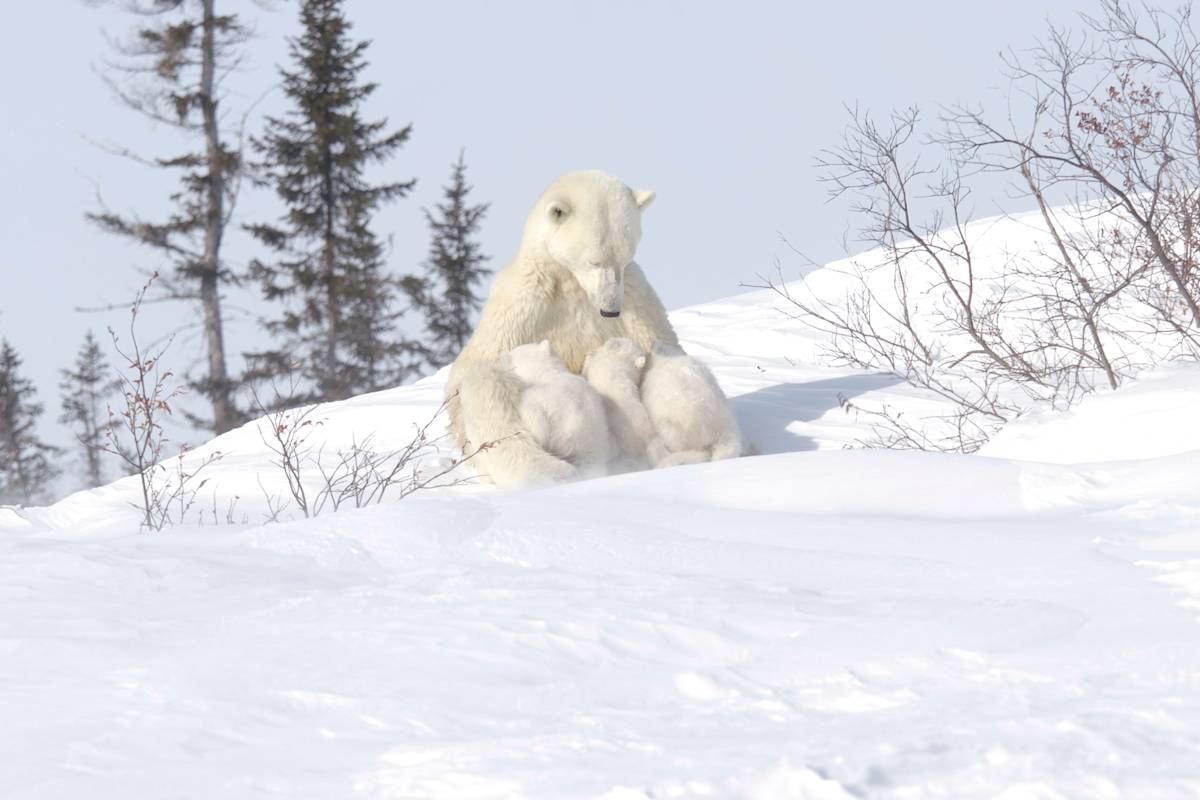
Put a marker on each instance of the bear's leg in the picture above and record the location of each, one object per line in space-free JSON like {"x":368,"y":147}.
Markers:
{"x":595,"y":449}
{"x":683,"y":457}
{"x":488,"y":399}
{"x":656,"y":451}
{"x":728,"y":446}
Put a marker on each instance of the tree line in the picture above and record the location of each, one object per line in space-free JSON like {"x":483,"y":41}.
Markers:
{"x":335,"y":305}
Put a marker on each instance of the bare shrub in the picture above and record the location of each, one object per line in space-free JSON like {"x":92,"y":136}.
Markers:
{"x":285,"y":433}
{"x":1103,"y":135}
{"x":1113,"y":121}
{"x":134,"y":432}
{"x":350,"y":477}
{"x":226,"y":514}
{"x":921,"y":305}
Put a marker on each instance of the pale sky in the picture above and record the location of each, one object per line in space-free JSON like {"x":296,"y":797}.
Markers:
{"x":718,"y":107}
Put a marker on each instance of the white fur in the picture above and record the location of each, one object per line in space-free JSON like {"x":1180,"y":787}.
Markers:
{"x":562,"y":413}
{"x":511,"y":455}
{"x":614,"y":370}
{"x":690,"y":414}
{"x":571,"y":266}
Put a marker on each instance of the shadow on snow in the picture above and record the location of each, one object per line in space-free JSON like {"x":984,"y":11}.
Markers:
{"x":766,"y":414}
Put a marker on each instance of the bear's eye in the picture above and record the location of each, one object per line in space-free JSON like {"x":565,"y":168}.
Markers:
{"x":557,"y":211}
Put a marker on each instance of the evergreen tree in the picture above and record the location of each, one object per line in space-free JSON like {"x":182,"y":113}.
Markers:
{"x":448,"y":292}
{"x":337,"y":332}
{"x":171,"y":72}
{"x":86,"y":390}
{"x":26,"y":468}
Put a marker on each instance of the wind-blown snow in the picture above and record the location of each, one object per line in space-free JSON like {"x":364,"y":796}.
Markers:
{"x":1133,"y":423}
{"x":812,"y":622}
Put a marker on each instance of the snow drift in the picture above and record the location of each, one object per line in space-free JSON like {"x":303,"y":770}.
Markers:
{"x":813,"y":622}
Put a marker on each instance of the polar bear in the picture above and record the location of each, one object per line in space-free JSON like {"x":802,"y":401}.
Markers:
{"x":558,"y":408}
{"x":573,"y":282}
{"x":687,"y":408}
{"x":614,"y":370}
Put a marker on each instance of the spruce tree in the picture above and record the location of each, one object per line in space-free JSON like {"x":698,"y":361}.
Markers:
{"x":26,"y":466}
{"x":448,"y":293}
{"x":171,"y":71}
{"x":337,"y":330}
{"x":86,"y":390}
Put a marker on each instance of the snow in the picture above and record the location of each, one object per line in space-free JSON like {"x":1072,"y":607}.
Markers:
{"x":1113,"y":425}
{"x":811,"y":622}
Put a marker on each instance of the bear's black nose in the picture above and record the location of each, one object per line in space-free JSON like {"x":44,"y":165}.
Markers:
{"x":604,"y":313}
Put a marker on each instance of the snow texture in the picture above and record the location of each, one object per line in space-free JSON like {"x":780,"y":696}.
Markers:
{"x":811,"y":622}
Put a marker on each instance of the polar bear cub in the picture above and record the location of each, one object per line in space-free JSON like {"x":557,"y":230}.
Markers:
{"x":687,"y":408}
{"x":614,"y":370}
{"x":558,"y":408}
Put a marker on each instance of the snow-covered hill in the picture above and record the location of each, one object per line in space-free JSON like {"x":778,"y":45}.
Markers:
{"x":812,"y":622}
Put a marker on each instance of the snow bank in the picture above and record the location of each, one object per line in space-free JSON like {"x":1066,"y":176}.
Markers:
{"x":813,"y":622}
{"x":810,"y":624}
{"x":1156,"y":415}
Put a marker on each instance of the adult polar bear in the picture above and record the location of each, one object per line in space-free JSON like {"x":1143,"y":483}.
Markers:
{"x":573,"y":282}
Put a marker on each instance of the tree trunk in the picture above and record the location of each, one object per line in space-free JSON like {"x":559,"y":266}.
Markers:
{"x":91,"y":443}
{"x":224,"y":415}
{"x":336,"y":389}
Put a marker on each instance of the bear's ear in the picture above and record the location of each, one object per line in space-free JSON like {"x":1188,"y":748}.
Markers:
{"x":557,"y":210}
{"x":643,"y":198}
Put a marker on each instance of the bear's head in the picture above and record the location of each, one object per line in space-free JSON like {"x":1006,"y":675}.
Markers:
{"x":532,"y":362}
{"x":590,"y":223}
{"x":664,"y":350}
{"x":617,"y":357}
{"x":662,"y":354}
